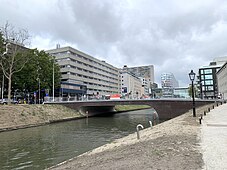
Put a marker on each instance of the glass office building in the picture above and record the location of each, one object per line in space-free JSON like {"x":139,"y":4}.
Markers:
{"x":168,"y":82}
{"x":208,"y":82}
{"x":207,"y":78}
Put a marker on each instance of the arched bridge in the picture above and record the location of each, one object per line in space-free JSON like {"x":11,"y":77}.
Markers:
{"x":166,"y":108}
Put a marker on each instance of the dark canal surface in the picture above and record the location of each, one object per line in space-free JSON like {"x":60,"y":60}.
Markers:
{"x":45,"y":146}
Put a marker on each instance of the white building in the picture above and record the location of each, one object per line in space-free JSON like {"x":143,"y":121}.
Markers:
{"x":145,"y":86}
{"x":82,"y":73}
{"x":145,"y":73}
{"x":222,"y":81}
{"x":168,"y":82}
{"x":131,"y":85}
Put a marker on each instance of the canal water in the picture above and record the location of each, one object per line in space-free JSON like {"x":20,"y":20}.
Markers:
{"x":44,"y":146}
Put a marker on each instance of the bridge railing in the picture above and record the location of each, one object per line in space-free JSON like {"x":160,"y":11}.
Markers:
{"x":60,"y":99}
{"x":65,"y":99}
{"x":74,"y":99}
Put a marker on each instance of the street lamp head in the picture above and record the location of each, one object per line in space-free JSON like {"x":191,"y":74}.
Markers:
{"x":192,"y":75}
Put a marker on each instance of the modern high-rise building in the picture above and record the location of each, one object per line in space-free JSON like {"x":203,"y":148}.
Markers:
{"x":168,"y":82}
{"x":145,"y":73}
{"x":83,"y":74}
{"x":208,"y":82}
{"x":131,"y":85}
{"x":207,"y":78}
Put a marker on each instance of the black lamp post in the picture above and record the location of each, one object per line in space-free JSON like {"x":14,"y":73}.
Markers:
{"x":192,"y":78}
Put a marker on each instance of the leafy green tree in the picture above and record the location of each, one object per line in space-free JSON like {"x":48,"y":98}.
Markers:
{"x":39,"y":68}
{"x":196,"y":90}
{"x":23,"y":68}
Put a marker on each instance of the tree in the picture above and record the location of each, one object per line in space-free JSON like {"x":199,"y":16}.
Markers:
{"x":39,"y":68}
{"x":1,"y":44}
{"x":195,"y":90}
{"x":16,"y":55}
{"x":1,"y":54}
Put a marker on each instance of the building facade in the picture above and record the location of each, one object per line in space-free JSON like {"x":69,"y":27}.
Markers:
{"x":168,"y":83}
{"x":181,"y":92}
{"x":222,"y":81}
{"x":207,"y":79}
{"x":208,"y":82}
{"x":131,"y":85}
{"x":145,"y":73}
{"x":83,"y":74}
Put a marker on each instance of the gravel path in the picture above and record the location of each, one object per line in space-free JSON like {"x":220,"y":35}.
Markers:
{"x":174,"y":144}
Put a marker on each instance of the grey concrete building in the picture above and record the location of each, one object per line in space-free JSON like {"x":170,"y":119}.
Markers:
{"x":83,"y":74}
{"x":145,"y":73}
{"x":222,"y":81}
{"x":131,"y":85}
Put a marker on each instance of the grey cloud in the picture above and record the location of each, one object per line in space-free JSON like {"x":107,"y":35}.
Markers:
{"x":98,"y":18}
{"x":174,"y":36}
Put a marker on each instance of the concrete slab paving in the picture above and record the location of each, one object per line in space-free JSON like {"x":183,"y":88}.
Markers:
{"x":214,"y":139}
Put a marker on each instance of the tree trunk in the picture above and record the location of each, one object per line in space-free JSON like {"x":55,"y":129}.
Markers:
{"x":9,"y":88}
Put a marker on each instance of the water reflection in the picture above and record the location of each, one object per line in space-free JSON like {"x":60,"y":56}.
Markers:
{"x":44,"y":146}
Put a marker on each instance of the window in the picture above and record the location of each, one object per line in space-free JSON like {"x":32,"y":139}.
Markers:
{"x":202,"y":77}
{"x":203,"y":88}
{"x":209,"y":88}
{"x":208,"y":77}
{"x":208,"y":71}
{"x":208,"y":82}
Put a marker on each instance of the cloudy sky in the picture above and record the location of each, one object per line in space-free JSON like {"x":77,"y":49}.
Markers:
{"x":173,"y":35}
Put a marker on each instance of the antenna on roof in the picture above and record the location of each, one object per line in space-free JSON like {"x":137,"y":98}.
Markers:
{"x":57,"y":46}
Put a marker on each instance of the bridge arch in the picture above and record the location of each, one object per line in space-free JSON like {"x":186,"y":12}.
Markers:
{"x":166,"y":108}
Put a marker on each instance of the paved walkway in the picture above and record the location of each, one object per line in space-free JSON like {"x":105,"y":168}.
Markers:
{"x":214,"y":139}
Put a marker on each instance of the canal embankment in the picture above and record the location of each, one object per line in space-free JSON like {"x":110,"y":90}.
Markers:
{"x":173,"y":144}
{"x":21,"y":116}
